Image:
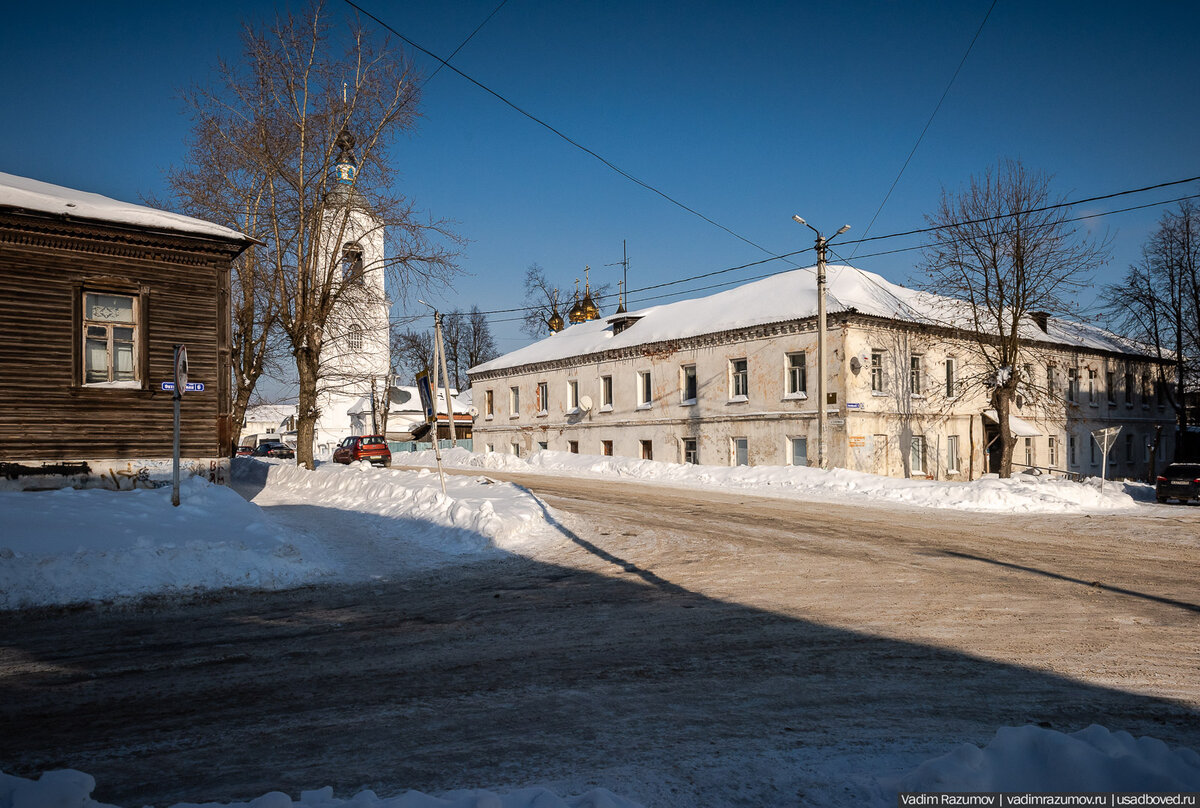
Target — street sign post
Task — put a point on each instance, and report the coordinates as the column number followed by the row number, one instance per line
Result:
column 178, row 387
column 1105, row 438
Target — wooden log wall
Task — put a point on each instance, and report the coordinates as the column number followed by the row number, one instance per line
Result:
column 182, row 283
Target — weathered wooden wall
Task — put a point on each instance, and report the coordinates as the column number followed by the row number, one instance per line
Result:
column 46, row 412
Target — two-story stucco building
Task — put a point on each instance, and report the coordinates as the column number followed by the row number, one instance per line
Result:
column 731, row 379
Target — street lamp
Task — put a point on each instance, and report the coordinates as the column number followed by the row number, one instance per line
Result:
column 822, row 415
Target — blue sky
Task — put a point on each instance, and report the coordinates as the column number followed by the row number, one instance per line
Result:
column 746, row 111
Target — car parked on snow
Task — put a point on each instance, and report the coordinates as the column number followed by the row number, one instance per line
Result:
column 1179, row 481
column 280, row 450
column 372, row 448
column 244, row 451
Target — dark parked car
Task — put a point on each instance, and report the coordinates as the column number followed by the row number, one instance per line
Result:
column 363, row 447
column 274, row 450
column 1179, row 481
column 245, row 451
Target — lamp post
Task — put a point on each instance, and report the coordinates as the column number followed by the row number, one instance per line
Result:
column 822, row 415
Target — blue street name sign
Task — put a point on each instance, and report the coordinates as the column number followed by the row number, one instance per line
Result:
column 853, row 405
column 190, row 387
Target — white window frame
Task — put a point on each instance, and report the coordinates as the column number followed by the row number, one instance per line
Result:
column 952, row 459
column 646, row 449
column 916, row 455
column 489, row 405
column 1072, row 450
column 514, row 401
column 606, row 393
column 110, row 341
column 1030, row 453
column 878, row 383
column 645, row 390
column 1093, row 393
column 1073, row 385
column 686, row 372
column 733, row 450
column 542, row 398
column 791, row 450
column 916, row 373
column 795, row 376
column 1052, row 448
column 739, row 380
column 573, row 395
column 607, row 448
column 689, row 446
column 951, row 378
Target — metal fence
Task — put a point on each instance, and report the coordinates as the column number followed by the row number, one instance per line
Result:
column 421, row 446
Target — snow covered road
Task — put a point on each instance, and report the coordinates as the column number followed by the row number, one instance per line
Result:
column 677, row 648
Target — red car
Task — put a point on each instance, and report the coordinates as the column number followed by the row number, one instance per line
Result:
column 372, row 448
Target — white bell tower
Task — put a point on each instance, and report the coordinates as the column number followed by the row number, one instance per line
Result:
column 356, row 357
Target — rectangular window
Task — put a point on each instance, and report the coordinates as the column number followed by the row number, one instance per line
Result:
column 738, row 379
column 1128, row 389
column 514, row 402
column 914, row 374
column 1160, row 393
column 917, row 455
column 1029, row 451
column 606, row 393
column 799, row 451
column 491, row 447
column 573, row 394
column 606, row 448
column 1072, row 450
column 1050, row 381
column 1129, row 458
column 1095, row 447
column 689, row 451
column 644, row 397
column 1110, row 386
column 543, row 445
column 1145, row 390
column 687, row 384
column 1072, row 385
column 1053, row 445
column 110, row 339
column 951, row 377
column 573, row 446
column 952, row 453
column 489, row 404
column 543, row 395
column 797, row 375
column 1093, row 393
column 876, row 371
column 515, row 448
column 647, row 449
column 741, row 451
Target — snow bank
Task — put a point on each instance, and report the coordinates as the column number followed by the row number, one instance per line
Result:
column 1023, row 493
column 1041, row 760
column 69, row 546
column 475, row 515
column 72, row 789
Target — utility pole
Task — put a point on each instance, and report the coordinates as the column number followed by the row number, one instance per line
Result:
column 441, row 350
column 624, row 264
column 822, row 415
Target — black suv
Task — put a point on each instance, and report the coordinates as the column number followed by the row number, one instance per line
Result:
column 274, row 450
column 1179, row 481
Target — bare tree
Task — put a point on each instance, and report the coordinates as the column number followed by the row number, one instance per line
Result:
column 304, row 97
column 1158, row 303
column 412, row 352
column 1007, row 258
column 479, row 345
column 541, row 300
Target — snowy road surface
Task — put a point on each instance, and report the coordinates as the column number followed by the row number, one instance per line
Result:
column 678, row 648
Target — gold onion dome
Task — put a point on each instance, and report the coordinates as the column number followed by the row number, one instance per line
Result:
column 590, row 310
column 555, row 322
column 577, row 314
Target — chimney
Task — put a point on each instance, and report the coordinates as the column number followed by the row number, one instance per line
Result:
column 1042, row 319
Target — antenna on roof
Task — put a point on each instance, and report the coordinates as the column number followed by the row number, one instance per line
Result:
column 624, row 262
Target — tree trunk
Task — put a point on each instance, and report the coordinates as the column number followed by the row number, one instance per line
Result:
column 1002, row 401
column 241, row 401
column 307, row 367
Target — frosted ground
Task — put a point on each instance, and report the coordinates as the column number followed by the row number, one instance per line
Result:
column 353, row 523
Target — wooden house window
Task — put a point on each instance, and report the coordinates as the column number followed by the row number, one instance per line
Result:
column 110, row 339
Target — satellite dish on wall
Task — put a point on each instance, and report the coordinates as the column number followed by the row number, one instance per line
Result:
column 585, row 403
column 474, row 412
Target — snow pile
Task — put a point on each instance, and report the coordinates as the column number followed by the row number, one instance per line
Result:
column 1023, row 493
column 67, row 787
column 473, row 516
column 68, row 546
column 1041, row 760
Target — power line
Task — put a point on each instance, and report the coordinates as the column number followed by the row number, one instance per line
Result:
column 921, row 137
column 562, row 135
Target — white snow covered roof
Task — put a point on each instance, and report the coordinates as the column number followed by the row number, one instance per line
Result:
column 269, row 413
column 779, row 298
column 22, row 193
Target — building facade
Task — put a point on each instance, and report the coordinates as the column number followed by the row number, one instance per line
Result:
column 905, row 396
column 94, row 296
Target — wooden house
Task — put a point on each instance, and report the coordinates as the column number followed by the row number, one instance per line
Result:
column 94, row 296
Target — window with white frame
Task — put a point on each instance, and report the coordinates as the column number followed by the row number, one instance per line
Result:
column 543, row 396
column 1050, row 381
column 917, row 454
column 739, row 454
column 606, row 448
column 1029, row 457
column 687, row 384
column 739, row 381
column 914, row 374
column 1052, row 445
column 515, row 448
column 797, row 375
column 952, row 453
column 514, row 402
column 489, row 404
column 1093, row 393
column 644, row 390
column 110, row 346
column 354, row 337
column 799, row 451
column 689, row 450
column 606, row 398
column 1110, row 387
column 1072, row 385
column 646, row 447
column 1095, row 450
column 1072, row 450
column 491, row 447
column 573, row 394
column 876, row 371
column 951, row 377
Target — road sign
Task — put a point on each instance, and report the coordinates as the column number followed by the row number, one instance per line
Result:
column 190, row 387
column 181, row 369
column 857, row 441
column 426, row 392
column 837, row 421
column 854, row 405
